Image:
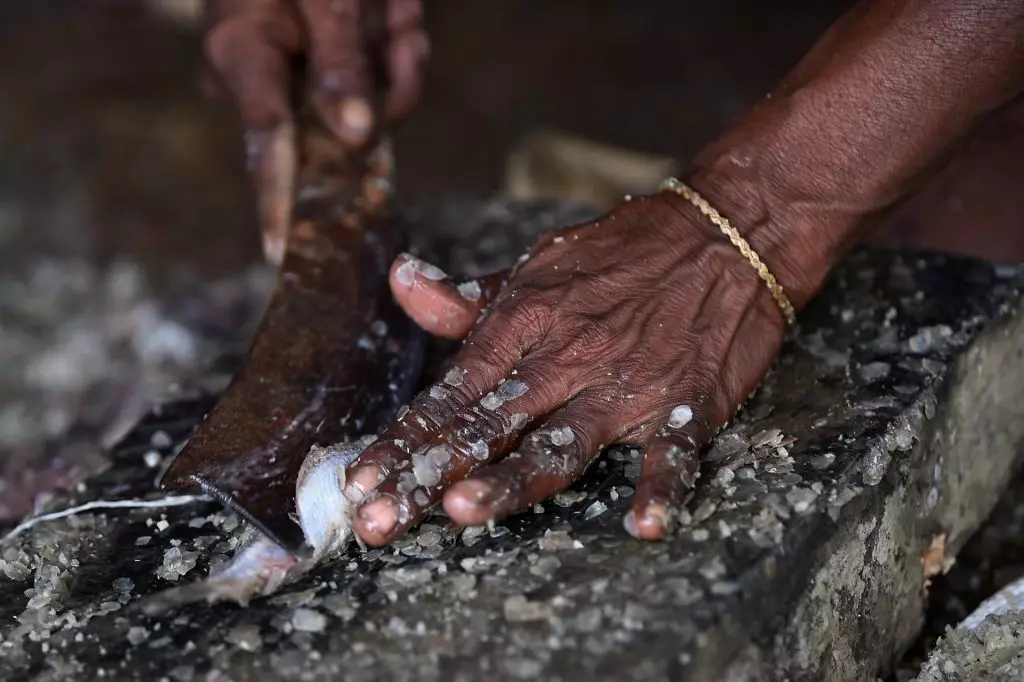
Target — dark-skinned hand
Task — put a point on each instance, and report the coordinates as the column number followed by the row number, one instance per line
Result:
column 251, row 48
column 645, row 327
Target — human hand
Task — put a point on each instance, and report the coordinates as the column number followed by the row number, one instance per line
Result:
column 252, row 48
column 645, row 327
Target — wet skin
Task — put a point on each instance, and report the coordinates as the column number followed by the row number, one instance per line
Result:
column 646, row 326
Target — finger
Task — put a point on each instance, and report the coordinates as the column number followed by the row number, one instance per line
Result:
column 273, row 162
column 488, row 356
column 407, row 53
column 436, row 303
column 546, row 462
column 342, row 85
column 477, row 434
column 247, row 48
column 669, row 472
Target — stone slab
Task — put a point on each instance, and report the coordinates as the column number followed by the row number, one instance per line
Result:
column 880, row 440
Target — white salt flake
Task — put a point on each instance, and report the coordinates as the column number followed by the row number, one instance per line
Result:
column 152, row 459
column 470, row 290
column 563, row 435
column 425, row 472
column 681, row 416
column 308, row 620
column 455, row 376
column 510, row 388
column 492, row 401
column 479, row 450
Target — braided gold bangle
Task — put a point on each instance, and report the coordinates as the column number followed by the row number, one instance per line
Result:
column 722, row 223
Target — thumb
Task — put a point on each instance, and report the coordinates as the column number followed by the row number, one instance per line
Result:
column 440, row 305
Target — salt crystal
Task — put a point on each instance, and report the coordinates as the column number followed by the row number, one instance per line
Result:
column 801, row 499
column 421, row 498
column 471, row 535
column 160, row 439
column 520, row 610
column 379, row 327
column 563, row 435
column 439, row 392
column 568, row 498
column 492, row 401
column 123, row 585
column 439, row 455
column 455, row 376
column 308, row 620
column 556, row 540
column 595, row 509
column 245, row 637
column 680, row 416
column 162, row 525
column 479, row 450
column 428, row 537
column 470, row 290
column 516, row 422
column 152, row 459
column 724, row 476
column 407, row 481
column 545, row 566
column 510, row 389
column 137, row 635
column 425, row 471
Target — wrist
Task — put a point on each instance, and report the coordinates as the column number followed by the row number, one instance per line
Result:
column 798, row 242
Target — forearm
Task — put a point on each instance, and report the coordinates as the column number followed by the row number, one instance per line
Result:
column 887, row 89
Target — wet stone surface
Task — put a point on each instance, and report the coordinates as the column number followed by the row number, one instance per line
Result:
column 886, row 430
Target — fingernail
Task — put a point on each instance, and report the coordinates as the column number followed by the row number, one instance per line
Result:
column 406, row 272
column 272, row 161
column 362, row 481
column 470, row 502
column 478, row 492
column 654, row 524
column 273, row 248
column 356, row 119
column 379, row 516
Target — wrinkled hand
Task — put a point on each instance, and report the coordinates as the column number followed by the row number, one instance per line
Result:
column 252, row 46
column 645, row 327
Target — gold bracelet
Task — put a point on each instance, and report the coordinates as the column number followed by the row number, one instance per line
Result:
column 722, row 223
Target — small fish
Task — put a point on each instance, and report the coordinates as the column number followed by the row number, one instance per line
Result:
column 325, row 512
column 260, row 568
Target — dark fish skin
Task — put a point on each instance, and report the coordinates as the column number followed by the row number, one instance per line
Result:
column 333, row 358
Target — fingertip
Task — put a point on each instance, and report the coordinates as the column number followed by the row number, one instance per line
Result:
column 651, row 523
column 376, row 520
column 273, row 164
column 426, row 295
column 351, row 119
column 468, row 503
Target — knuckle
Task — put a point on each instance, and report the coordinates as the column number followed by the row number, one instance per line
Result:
column 585, row 337
column 530, row 317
